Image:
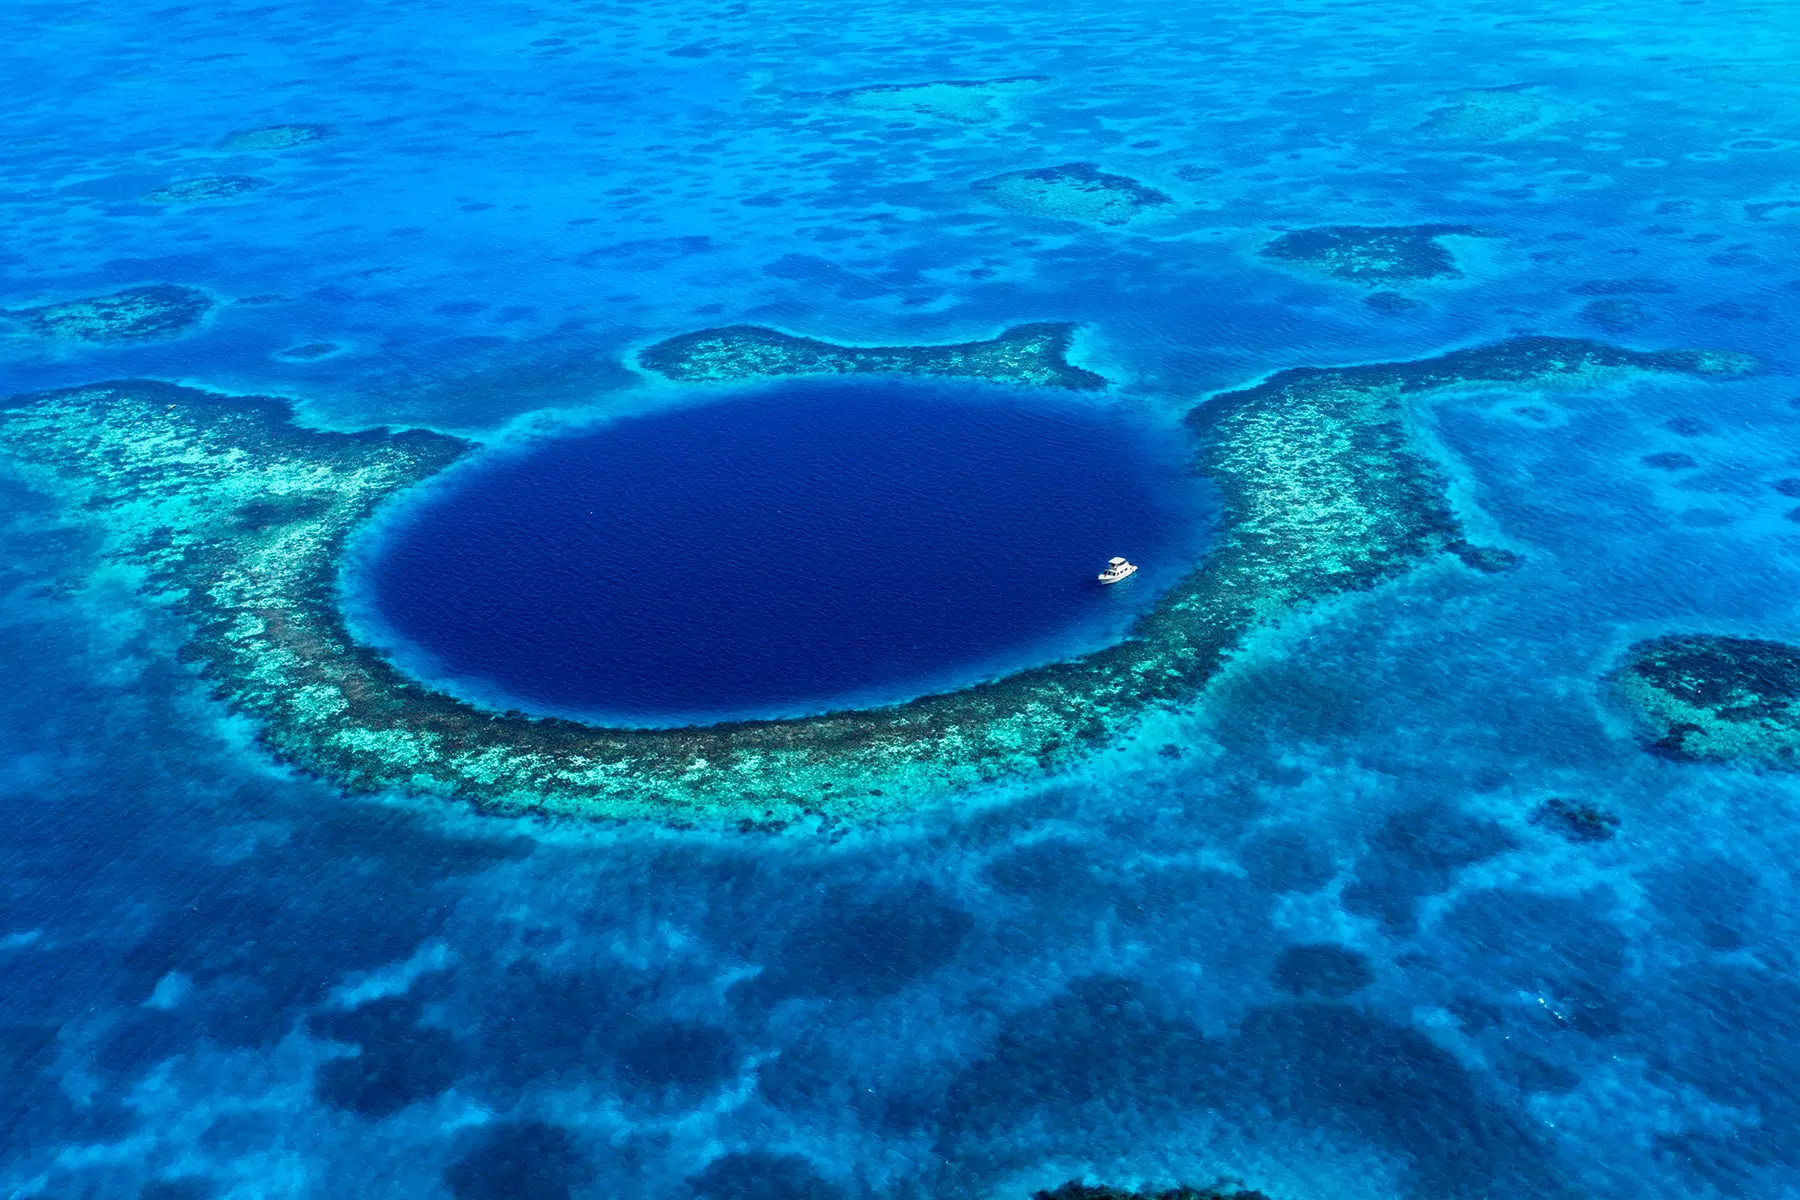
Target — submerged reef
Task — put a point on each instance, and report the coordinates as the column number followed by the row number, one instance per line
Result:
column 1075, row 1190
column 965, row 101
column 1372, row 253
column 1485, row 114
column 1071, row 192
column 212, row 187
column 1576, row 820
column 136, row 314
column 1030, row 354
column 274, row 137
column 308, row 352
column 1720, row 699
column 226, row 510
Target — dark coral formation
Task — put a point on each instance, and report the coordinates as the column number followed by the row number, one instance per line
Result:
column 136, row 314
column 1670, row 460
column 1072, row 192
column 1576, row 820
column 1076, row 1190
column 238, row 518
column 1488, row 559
column 1723, row 699
column 274, row 137
column 212, row 187
column 1028, row 354
column 1372, row 253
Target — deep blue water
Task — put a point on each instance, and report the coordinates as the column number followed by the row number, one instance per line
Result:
column 804, row 547
column 1322, row 948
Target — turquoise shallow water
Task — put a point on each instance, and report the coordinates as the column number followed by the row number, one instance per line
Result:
column 225, row 980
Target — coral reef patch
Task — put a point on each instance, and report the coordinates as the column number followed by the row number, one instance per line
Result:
column 274, row 137
column 1072, row 192
column 1372, row 253
column 212, row 187
column 1485, row 114
column 964, row 101
column 1719, row 699
column 237, row 518
column 1027, row 354
column 135, row 314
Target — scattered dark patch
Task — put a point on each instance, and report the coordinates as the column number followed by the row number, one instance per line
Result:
column 854, row 945
column 758, row 1175
column 1707, row 901
column 1638, row 286
column 1413, row 855
column 1076, row 1190
column 1739, row 1045
column 1789, row 487
column 400, row 1062
column 519, row 1160
column 1557, row 958
column 1328, row 971
column 1687, row 426
column 536, row 1024
column 648, row 252
column 1098, row 1062
column 265, row 936
column 1285, row 860
column 189, row 1187
column 1731, row 311
column 1576, row 820
column 1050, row 866
column 1614, row 316
column 678, row 1058
column 1670, row 460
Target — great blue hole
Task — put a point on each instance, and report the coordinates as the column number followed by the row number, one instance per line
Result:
column 788, row 550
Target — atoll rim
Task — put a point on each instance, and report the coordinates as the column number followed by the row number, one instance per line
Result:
column 240, row 517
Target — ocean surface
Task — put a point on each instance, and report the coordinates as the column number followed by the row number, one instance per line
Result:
column 1303, row 933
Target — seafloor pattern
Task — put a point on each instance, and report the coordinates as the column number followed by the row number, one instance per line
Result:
column 240, row 517
column 1722, row 698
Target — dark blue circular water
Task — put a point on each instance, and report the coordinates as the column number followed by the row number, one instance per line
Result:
column 809, row 546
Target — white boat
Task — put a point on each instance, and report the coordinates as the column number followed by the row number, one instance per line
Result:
column 1117, row 569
